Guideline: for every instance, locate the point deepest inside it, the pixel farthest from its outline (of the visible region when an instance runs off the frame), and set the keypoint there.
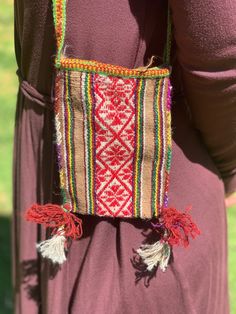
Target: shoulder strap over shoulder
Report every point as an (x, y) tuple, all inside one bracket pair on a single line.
[(59, 17), (167, 51)]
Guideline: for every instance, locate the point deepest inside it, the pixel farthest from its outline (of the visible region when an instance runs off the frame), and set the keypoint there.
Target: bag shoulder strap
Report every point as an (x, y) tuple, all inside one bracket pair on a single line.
[(59, 17), (167, 50)]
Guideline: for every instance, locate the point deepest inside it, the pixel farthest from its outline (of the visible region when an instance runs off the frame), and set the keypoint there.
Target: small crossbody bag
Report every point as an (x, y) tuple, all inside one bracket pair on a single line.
[(113, 144)]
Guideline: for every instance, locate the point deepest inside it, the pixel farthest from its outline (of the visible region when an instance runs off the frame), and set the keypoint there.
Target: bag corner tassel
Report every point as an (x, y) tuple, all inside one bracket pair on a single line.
[(156, 254), (65, 225), (53, 249), (175, 228)]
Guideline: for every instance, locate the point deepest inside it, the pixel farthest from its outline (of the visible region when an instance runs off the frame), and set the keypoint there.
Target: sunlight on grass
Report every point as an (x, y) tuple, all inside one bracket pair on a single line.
[(8, 83)]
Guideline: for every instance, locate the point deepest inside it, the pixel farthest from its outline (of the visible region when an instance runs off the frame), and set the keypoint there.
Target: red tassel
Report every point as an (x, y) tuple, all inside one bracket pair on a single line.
[(179, 226), (57, 217)]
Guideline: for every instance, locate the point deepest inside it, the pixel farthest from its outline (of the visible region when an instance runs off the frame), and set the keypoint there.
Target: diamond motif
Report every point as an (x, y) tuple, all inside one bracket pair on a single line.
[(115, 136)]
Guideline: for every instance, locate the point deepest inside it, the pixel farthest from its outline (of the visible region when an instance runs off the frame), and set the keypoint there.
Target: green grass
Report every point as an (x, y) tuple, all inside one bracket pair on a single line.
[(232, 256), (8, 83), (6, 304)]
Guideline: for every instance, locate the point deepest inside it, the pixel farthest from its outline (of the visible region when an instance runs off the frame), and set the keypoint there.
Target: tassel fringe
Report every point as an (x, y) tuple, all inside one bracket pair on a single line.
[(179, 226), (56, 217), (153, 255), (53, 249), (65, 225), (174, 228)]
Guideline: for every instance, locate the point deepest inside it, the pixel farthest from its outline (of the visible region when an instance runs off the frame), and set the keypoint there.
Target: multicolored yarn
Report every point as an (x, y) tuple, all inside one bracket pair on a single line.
[(126, 138), (111, 70), (114, 146), (59, 17)]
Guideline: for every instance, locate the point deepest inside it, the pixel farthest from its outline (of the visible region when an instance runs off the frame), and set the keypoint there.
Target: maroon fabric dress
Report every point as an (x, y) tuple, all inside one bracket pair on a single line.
[(99, 276)]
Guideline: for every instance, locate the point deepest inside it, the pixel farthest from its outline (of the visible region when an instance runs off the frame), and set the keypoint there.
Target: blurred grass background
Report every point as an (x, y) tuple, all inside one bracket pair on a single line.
[(8, 83), (8, 90)]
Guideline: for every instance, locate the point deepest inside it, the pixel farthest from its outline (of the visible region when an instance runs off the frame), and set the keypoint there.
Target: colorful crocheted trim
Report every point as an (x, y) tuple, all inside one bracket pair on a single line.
[(114, 143), (112, 70)]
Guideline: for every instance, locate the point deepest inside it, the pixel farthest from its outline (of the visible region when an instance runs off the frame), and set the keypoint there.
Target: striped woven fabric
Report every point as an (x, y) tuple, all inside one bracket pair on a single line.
[(113, 137), (113, 141), (113, 133)]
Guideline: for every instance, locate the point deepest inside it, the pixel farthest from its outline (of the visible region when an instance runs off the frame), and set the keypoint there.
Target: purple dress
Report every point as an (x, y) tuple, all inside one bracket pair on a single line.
[(99, 276)]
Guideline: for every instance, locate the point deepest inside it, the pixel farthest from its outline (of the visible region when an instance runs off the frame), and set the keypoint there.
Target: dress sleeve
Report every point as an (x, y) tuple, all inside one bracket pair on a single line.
[(205, 35)]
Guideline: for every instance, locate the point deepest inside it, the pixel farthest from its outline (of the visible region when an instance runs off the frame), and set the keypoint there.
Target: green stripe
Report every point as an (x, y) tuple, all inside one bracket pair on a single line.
[(72, 147), (89, 147), (54, 3), (87, 140), (167, 50), (157, 146), (139, 150), (169, 156)]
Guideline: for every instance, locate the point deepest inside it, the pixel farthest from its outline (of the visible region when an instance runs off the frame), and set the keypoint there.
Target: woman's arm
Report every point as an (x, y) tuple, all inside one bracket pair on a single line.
[(205, 33)]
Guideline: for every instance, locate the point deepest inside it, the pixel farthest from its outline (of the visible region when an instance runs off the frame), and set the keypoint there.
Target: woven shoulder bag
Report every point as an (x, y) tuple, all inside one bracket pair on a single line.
[(113, 144)]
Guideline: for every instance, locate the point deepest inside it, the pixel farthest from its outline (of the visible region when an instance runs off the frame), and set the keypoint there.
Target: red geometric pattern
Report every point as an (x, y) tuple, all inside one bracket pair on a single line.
[(114, 144)]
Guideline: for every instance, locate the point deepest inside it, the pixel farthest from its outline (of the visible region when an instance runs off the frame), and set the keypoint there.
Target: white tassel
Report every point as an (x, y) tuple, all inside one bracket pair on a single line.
[(154, 254), (54, 249)]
